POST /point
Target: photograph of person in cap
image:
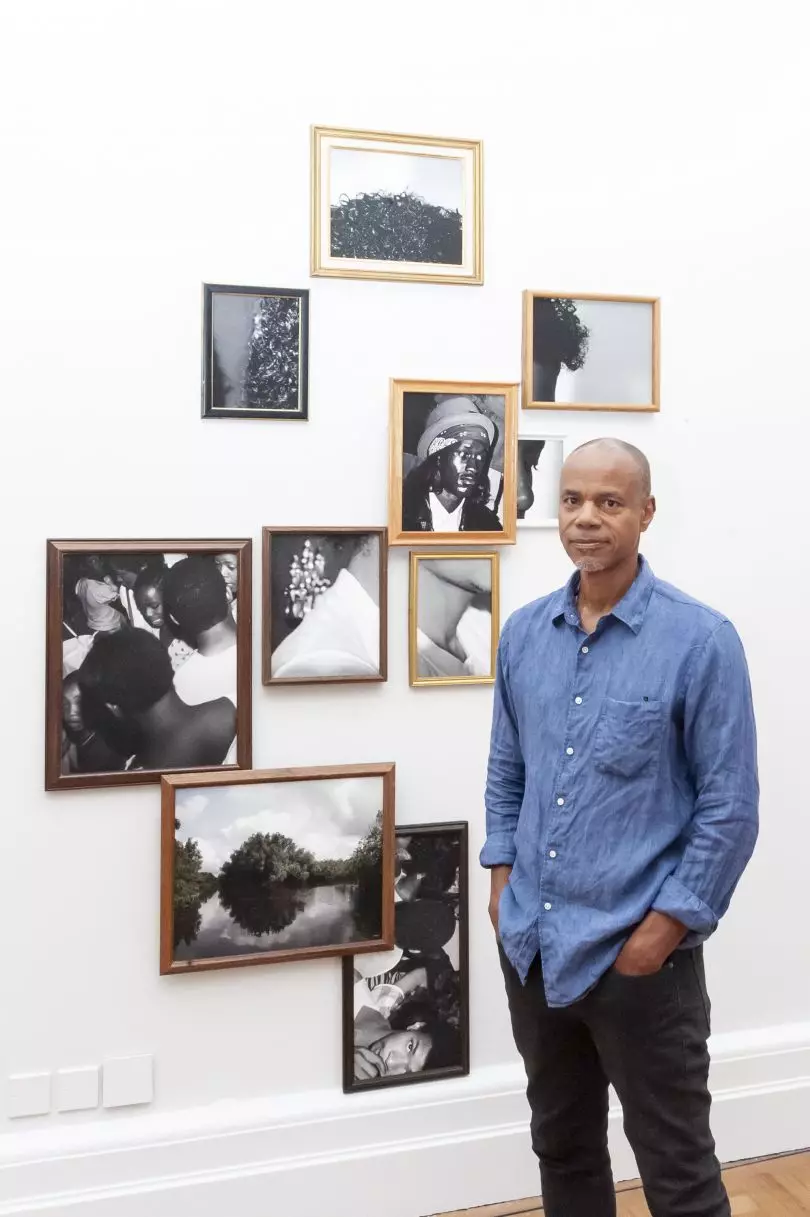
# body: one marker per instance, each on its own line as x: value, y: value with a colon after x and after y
x: 453, y: 474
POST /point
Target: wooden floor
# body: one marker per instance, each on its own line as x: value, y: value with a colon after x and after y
x: 777, y: 1187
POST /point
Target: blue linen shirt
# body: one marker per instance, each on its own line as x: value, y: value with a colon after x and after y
x: 622, y: 777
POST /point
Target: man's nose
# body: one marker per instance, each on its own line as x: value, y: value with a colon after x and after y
x: 587, y: 516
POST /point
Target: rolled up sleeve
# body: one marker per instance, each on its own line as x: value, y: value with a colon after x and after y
x: 506, y: 771
x: 719, y: 735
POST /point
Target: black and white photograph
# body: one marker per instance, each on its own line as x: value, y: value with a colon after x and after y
x: 255, y: 352
x: 263, y: 867
x: 590, y: 352
x: 406, y: 1011
x: 148, y: 660
x: 325, y: 615
x: 396, y: 206
x: 452, y: 462
x: 540, y: 462
x: 454, y: 618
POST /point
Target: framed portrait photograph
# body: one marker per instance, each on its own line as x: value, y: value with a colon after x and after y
x: 255, y: 352
x: 274, y: 865
x: 148, y: 660
x: 452, y: 463
x: 325, y: 605
x: 454, y: 618
x: 539, y: 465
x: 590, y: 352
x: 396, y: 207
x: 406, y: 1011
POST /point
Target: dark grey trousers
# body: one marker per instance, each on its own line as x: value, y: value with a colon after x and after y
x: 647, y: 1035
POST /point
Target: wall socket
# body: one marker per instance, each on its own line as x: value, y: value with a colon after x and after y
x: 124, y: 1082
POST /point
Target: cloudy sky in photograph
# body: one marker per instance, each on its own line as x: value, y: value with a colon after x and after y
x: 328, y: 817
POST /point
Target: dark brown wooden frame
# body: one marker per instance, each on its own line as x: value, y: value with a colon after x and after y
x: 171, y: 783
x: 56, y: 550
x: 350, y: 1086
x: 267, y: 642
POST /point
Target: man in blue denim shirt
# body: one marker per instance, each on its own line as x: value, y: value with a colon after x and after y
x: 621, y: 811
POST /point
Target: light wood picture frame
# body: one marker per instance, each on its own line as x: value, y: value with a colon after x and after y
x: 324, y: 605
x: 590, y: 351
x: 244, y: 876
x: 453, y: 618
x: 147, y: 643
x: 397, y: 207
x: 453, y: 452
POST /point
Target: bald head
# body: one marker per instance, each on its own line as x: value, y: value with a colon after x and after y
x: 634, y: 454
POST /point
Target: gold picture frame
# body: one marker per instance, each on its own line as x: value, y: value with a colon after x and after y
x: 405, y: 399
x: 445, y: 194
x: 618, y: 348
x: 442, y: 661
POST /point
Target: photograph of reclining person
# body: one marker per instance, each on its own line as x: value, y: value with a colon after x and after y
x: 406, y: 1011
x: 143, y: 672
x: 454, y: 618
x: 324, y: 611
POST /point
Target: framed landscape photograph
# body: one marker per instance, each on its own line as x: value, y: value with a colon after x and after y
x: 539, y: 465
x: 255, y: 352
x: 148, y: 660
x: 454, y: 618
x: 452, y: 463
x: 268, y: 866
x: 324, y: 605
x: 396, y: 207
x: 591, y: 352
x: 406, y: 1011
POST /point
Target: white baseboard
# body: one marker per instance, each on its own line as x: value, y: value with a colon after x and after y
x: 403, y: 1153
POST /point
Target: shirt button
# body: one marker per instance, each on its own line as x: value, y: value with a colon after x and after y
x: 547, y: 907
x: 560, y: 801
x: 552, y: 853
x: 585, y: 650
x: 569, y: 752
x: 577, y: 701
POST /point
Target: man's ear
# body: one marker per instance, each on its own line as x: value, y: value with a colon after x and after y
x: 648, y: 514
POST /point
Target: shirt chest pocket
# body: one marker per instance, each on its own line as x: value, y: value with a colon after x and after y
x: 628, y: 737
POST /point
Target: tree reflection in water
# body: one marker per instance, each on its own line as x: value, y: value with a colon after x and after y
x: 259, y: 911
x: 187, y: 922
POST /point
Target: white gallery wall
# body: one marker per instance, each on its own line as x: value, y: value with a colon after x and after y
x: 650, y: 149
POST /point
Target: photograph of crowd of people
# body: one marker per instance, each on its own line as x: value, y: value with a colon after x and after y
x: 590, y: 352
x: 452, y: 462
x: 265, y: 867
x: 406, y: 1011
x: 540, y: 462
x: 144, y: 661
x: 325, y: 612
x: 454, y: 618
x: 255, y: 352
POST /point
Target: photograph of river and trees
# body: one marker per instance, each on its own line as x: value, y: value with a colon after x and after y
x: 262, y: 867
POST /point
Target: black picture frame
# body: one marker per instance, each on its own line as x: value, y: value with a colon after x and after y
x: 213, y: 371
x: 351, y: 1085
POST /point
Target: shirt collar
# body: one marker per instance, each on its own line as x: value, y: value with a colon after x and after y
x: 630, y: 609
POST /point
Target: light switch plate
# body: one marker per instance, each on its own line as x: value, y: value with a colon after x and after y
x: 127, y: 1080
x: 28, y: 1094
x: 76, y: 1089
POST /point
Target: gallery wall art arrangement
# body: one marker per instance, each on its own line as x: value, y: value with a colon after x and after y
x: 148, y: 649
